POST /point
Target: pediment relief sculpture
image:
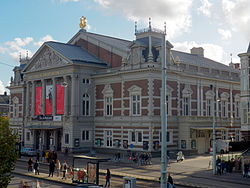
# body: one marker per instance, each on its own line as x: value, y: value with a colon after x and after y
x: 47, y: 59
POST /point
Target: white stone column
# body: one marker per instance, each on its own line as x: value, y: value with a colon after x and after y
x: 66, y: 96
x: 54, y: 97
x: 198, y: 99
x: 73, y: 95
x: 33, y: 94
x: 202, y: 111
x: 43, y: 96
x: 231, y: 101
x: 27, y: 99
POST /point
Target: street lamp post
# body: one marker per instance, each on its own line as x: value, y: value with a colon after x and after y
x: 163, y: 115
x: 214, y: 142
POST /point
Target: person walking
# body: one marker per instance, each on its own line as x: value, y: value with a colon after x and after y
x: 30, y: 162
x: 108, y: 177
x: 43, y: 156
x: 64, y: 169
x: 36, y: 167
x: 38, y: 155
x: 246, y: 169
x: 58, y: 167
x: 51, y: 168
x: 170, y: 180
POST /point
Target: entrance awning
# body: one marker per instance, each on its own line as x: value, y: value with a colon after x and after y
x: 43, y: 127
x: 208, y: 128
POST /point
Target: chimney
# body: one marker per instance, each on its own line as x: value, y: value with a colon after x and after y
x: 5, y: 93
x: 198, y: 51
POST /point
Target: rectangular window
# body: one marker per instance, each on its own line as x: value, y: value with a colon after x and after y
x: 224, y: 135
x: 136, y: 105
x: 237, y: 135
x: 223, y: 108
x: 28, y: 136
x: 237, y: 104
x: 167, y: 104
x: 109, y: 138
x: 85, y: 135
x: 169, y: 137
x: 186, y: 106
x: 139, y: 137
x: 66, y: 138
x: 108, y: 106
x: 209, y: 107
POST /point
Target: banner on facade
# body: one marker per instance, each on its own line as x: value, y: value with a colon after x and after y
x: 38, y: 101
x: 48, y: 99
x: 59, y: 99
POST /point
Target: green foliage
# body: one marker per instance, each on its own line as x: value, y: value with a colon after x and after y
x: 8, y: 155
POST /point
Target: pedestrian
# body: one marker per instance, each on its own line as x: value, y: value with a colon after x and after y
x: 43, y: 156
x: 36, y: 167
x: 170, y: 180
x: 38, y: 156
x: 21, y: 184
x: 38, y: 184
x: 64, y: 169
x: 51, y: 168
x: 58, y: 167
x: 108, y: 176
x: 30, y: 162
x: 47, y: 156
x: 246, y: 169
x: 66, y: 151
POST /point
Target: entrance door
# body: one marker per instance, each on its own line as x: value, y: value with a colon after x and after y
x: 37, y: 136
x: 201, y: 145
x: 59, y: 140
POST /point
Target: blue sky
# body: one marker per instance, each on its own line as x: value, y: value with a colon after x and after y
x: 221, y: 27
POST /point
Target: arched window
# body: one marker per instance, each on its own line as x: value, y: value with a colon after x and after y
x: 85, y: 105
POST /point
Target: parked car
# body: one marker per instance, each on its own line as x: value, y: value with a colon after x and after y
x: 28, y: 152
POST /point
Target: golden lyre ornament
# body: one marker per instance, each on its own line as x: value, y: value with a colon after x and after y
x: 83, y: 22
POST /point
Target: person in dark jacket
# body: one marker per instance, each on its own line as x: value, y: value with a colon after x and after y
x: 170, y: 180
x: 108, y: 176
x: 30, y: 162
x: 36, y: 167
x: 51, y: 168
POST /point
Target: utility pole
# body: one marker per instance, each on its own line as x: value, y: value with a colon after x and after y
x: 163, y: 114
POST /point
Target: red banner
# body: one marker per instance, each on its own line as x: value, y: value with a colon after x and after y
x: 38, y: 101
x: 48, y: 100
x: 59, y: 99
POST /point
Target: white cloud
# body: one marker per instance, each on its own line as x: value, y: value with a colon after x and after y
x: 69, y: 1
x: 236, y: 13
x: 44, y: 39
x: 2, y: 87
x: 211, y: 51
x: 205, y: 8
x: 225, y: 34
x: 176, y: 13
x: 19, y: 42
x: 2, y: 49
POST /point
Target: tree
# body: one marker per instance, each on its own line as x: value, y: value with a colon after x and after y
x: 8, y: 154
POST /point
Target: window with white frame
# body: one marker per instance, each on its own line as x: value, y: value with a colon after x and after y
x: 15, y: 107
x: 108, y: 106
x: 28, y: 136
x: 168, y: 103
x: 86, y: 81
x: 85, y: 135
x: 136, y: 105
x: 169, y: 137
x: 209, y: 107
x: 135, y: 100
x: 223, y: 108
x: 66, y: 138
x: 237, y: 135
x: 85, y: 105
x: 186, y: 106
x: 135, y: 136
x: 109, y: 138
x: 108, y: 100
x: 237, y: 108
x: 224, y: 135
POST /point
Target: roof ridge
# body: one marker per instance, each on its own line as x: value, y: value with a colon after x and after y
x: 67, y: 44
x: 109, y: 37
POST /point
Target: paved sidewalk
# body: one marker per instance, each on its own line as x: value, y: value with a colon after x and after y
x: 193, y: 172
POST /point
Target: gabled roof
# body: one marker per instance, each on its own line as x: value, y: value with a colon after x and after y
x: 74, y: 53
x: 197, y: 60
x: 112, y: 41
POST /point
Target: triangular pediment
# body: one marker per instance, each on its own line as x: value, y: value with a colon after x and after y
x: 46, y: 58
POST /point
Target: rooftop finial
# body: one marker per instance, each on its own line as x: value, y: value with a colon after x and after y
x: 27, y: 54
x: 135, y: 26
x: 149, y: 23
x: 165, y: 28
x: 83, y: 22
x: 231, y: 57
x: 20, y: 56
